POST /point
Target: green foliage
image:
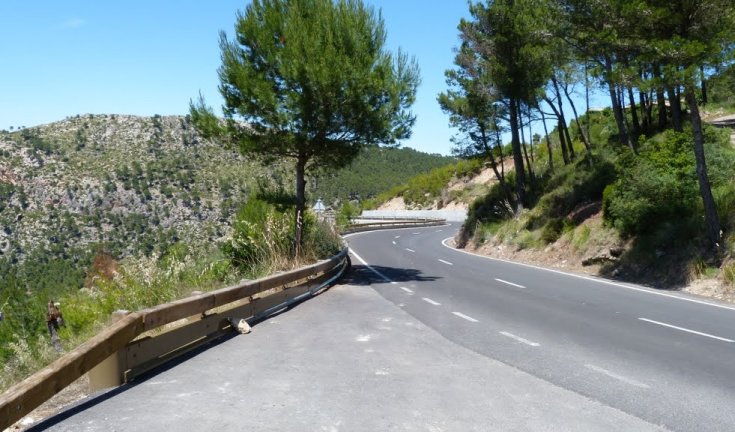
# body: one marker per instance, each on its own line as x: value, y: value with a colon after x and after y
x: 374, y: 171
x: 263, y: 235
x: 722, y: 87
x: 659, y: 186
x: 260, y: 233
x: 310, y: 80
x: 425, y: 188
x: 347, y: 212
x: 656, y: 186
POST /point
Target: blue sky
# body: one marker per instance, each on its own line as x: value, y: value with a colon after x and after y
x: 62, y: 58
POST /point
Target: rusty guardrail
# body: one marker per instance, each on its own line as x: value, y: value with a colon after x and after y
x: 129, y: 347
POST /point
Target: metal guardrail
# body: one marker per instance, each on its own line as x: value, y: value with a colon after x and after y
x: 128, y: 347
x: 393, y: 223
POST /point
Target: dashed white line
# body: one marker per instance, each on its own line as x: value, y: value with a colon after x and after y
x: 394, y: 242
x: 430, y: 301
x: 687, y: 330
x: 410, y: 250
x: 616, y: 376
x: 438, y: 230
x: 416, y: 233
x: 446, y: 262
x: 393, y: 283
x: 519, y: 339
x: 408, y: 290
x: 397, y: 237
x: 509, y: 283
x: 589, y: 278
x: 466, y: 317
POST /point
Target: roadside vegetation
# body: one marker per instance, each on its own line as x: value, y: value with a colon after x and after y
x: 663, y: 181
x: 260, y: 244
x: 425, y: 189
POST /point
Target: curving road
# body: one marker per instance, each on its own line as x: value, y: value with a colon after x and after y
x: 666, y: 358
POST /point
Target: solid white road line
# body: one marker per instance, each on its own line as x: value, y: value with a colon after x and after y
x: 616, y: 376
x: 446, y: 262
x: 430, y: 301
x: 592, y: 279
x: 509, y: 283
x: 463, y: 316
x: 688, y: 330
x: 377, y: 272
x: 408, y: 290
x: 410, y: 250
x: 519, y: 339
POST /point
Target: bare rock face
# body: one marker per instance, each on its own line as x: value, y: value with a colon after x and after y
x: 121, y: 183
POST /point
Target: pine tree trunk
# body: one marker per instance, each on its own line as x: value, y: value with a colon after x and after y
x: 499, y: 175
x: 634, y: 113
x: 300, y: 203
x: 710, y: 210
x: 563, y: 120
x: 560, y: 130
x: 517, y: 156
x: 675, y: 105
x: 548, y: 141
x: 704, y: 86
x: 585, y: 139
x: 617, y: 109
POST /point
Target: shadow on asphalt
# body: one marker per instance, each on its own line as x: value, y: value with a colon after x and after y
x: 362, y: 275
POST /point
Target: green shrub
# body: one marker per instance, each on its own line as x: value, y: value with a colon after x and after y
x: 260, y: 232
x: 655, y: 186
x: 552, y: 230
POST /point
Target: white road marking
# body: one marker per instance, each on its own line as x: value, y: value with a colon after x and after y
x: 430, y: 301
x: 463, y: 316
x: 397, y: 237
x: 589, y: 278
x: 438, y: 230
x: 363, y: 338
x: 509, y: 283
x: 372, y: 269
x: 616, y: 376
x: 394, y: 242
x: 519, y: 339
x: 446, y: 262
x: 687, y: 330
x: 410, y: 250
x: 408, y: 290
x: 416, y: 233
x: 393, y: 283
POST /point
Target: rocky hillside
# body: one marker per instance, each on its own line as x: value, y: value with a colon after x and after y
x: 119, y: 183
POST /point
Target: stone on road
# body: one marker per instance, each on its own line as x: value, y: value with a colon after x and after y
x: 347, y: 360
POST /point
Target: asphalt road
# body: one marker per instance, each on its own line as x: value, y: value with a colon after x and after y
x: 347, y: 360
x: 666, y: 358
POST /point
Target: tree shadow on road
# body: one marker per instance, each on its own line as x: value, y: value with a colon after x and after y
x: 364, y: 275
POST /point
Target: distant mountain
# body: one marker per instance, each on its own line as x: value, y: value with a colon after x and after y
x: 118, y: 183
x: 126, y: 185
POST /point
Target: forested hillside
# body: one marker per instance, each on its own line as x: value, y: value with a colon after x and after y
x: 375, y: 170
x: 643, y: 189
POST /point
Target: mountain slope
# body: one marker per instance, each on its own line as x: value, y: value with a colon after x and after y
x: 120, y: 183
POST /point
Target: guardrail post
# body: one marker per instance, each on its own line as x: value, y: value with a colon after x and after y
x: 109, y: 373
